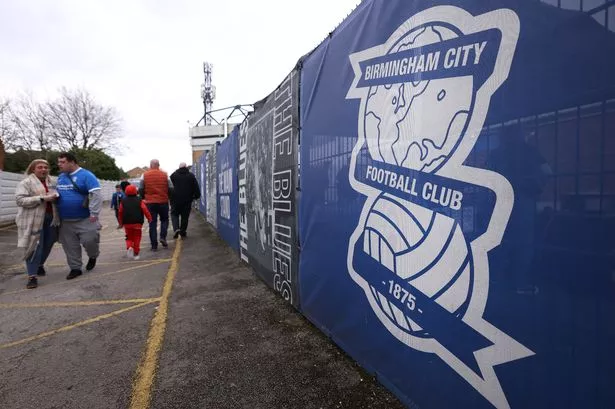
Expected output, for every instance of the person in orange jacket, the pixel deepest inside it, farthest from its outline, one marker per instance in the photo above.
(132, 215)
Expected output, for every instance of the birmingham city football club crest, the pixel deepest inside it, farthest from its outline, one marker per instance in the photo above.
(424, 96)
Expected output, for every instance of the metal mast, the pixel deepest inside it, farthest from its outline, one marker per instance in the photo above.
(208, 92)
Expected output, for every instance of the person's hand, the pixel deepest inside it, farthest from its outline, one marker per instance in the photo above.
(50, 197)
(93, 219)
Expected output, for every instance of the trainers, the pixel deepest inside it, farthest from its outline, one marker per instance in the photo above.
(154, 248)
(176, 234)
(73, 274)
(183, 234)
(164, 243)
(130, 252)
(136, 257)
(91, 264)
(41, 271)
(32, 283)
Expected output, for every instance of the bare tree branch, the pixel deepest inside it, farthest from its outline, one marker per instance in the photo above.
(80, 122)
(26, 125)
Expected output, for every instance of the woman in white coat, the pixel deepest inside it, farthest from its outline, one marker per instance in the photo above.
(37, 218)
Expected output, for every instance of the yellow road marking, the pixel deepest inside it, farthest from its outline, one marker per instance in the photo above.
(73, 326)
(92, 276)
(79, 303)
(144, 375)
(135, 262)
(14, 266)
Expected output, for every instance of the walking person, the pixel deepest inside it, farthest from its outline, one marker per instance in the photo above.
(37, 218)
(116, 199)
(132, 214)
(123, 185)
(155, 188)
(79, 205)
(185, 190)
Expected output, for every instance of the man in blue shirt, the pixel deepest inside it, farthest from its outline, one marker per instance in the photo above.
(79, 205)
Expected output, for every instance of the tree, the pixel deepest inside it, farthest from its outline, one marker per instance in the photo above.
(98, 162)
(4, 105)
(79, 122)
(4, 118)
(27, 126)
(74, 120)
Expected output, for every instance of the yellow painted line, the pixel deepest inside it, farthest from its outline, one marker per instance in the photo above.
(15, 266)
(73, 326)
(90, 276)
(110, 263)
(79, 303)
(146, 371)
(10, 227)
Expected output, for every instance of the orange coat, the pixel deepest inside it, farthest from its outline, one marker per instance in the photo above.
(155, 186)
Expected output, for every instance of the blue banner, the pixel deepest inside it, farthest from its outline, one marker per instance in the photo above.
(211, 183)
(201, 172)
(228, 189)
(457, 212)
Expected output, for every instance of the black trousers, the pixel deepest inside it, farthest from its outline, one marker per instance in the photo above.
(179, 217)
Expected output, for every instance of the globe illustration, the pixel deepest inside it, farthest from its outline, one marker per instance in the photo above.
(418, 125)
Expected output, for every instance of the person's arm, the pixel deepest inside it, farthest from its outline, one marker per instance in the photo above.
(24, 199)
(113, 199)
(141, 187)
(196, 189)
(120, 214)
(146, 212)
(96, 201)
(95, 195)
(171, 188)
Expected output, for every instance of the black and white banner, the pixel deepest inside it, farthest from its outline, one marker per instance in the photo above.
(268, 149)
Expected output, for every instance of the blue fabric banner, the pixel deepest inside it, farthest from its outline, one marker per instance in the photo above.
(457, 212)
(228, 190)
(201, 171)
(211, 183)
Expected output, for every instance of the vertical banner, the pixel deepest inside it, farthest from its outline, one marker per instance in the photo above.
(212, 186)
(457, 220)
(228, 194)
(268, 150)
(202, 172)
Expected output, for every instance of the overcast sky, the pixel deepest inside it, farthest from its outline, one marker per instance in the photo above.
(144, 57)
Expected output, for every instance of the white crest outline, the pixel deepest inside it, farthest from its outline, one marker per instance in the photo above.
(504, 348)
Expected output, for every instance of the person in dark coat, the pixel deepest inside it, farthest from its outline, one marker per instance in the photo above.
(186, 190)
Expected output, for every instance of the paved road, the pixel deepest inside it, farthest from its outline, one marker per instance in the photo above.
(185, 327)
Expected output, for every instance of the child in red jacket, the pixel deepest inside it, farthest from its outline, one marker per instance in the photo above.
(132, 214)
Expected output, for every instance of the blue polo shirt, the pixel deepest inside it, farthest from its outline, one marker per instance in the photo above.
(70, 201)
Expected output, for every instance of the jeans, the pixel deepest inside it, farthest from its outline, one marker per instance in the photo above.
(48, 237)
(162, 210)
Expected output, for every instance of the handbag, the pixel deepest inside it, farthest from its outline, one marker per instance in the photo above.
(86, 199)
